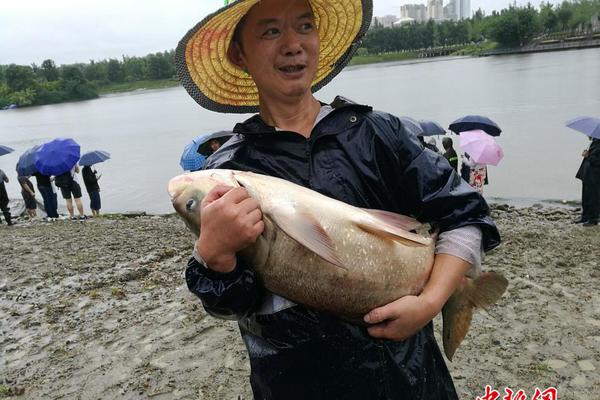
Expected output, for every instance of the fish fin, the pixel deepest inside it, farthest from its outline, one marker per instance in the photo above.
(397, 220)
(457, 313)
(304, 228)
(382, 228)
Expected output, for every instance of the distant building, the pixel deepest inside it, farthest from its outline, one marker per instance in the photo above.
(435, 9)
(457, 9)
(386, 21)
(450, 10)
(417, 12)
(463, 10)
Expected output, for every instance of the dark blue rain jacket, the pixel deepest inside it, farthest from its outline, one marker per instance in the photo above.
(365, 158)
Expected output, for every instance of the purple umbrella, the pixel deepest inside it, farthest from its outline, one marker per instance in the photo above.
(57, 157)
(482, 147)
(587, 125)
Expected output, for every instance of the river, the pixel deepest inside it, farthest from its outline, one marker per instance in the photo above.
(530, 96)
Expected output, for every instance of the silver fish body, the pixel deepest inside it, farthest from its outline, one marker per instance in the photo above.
(318, 251)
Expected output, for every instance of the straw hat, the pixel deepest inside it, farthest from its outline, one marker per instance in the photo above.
(217, 84)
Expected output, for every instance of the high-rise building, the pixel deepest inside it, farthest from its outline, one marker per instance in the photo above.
(418, 12)
(435, 9)
(385, 21)
(450, 10)
(464, 9)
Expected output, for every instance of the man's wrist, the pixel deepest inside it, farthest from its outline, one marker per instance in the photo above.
(220, 263)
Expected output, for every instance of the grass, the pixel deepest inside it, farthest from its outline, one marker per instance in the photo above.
(129, 86)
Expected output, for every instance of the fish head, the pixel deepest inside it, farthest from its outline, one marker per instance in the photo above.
(188, 190)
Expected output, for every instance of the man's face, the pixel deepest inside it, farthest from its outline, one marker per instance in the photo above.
(279, 47)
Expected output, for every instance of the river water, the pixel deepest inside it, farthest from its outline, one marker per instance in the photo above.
(530, 96)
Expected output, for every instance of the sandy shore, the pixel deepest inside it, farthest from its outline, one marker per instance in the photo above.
(99, 310)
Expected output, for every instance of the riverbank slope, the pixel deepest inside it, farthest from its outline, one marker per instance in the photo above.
(99, 309)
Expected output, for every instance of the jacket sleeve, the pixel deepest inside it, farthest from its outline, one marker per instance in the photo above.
(426, 186)
(231, 295)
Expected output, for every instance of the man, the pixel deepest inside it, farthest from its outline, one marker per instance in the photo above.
(28, 194)
(70, 189)
(344, 150)
(450, 153)
(44, 186)
(4, 199)
(90, 180)
(589, 173)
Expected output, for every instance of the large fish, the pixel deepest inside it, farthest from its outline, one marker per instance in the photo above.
(335, 257)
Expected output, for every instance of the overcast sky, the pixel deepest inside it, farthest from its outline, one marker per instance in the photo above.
(70, 31)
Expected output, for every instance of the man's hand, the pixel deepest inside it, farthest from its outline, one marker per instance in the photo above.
(406, 316)
(231, 221)
(400, 319)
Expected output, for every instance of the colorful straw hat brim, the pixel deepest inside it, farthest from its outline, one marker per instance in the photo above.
(218, 85)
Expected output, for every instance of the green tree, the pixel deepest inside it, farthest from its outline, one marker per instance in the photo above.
(564, 14)
(19, 77)
(74, 84)
(49, 70)
(115, 71)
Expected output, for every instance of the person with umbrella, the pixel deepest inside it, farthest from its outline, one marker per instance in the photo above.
(271, 55)
(589, 170)
(91, 177)
(59, 158)
(590, 200)
(4, 199)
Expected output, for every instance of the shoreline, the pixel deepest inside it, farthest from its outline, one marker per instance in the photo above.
(99, 309)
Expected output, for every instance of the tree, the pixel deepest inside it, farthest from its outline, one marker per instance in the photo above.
(49, 70)
(74, 84)
(115, 71)
(564, 14)
(19, 77)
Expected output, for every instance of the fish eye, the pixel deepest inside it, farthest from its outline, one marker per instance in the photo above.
(190, 205)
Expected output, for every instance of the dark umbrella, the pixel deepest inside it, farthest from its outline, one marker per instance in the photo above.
(94, 157)
(473, 122)
(5, 150)
(431, 128)
(26, 163)
(203, 145)
(587, 125)
(412, 125)
(57, 157)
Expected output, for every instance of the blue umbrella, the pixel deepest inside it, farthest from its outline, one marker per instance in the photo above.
(5, 150)
(473, 122)
(57, 157)
(26, 163)
(94, 157)
(431, 128)
(588, 125)
(191, 160)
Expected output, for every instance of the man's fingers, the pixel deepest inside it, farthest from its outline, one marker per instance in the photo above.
(255, 216)
(248, 205)
(216, 193)
(236, 195)
(381, 314)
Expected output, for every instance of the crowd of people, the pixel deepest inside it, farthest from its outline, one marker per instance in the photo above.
(68, 186)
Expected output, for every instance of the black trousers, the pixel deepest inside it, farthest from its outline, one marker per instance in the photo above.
(590, 200)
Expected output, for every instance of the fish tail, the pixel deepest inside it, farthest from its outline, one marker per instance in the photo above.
(458, 310)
